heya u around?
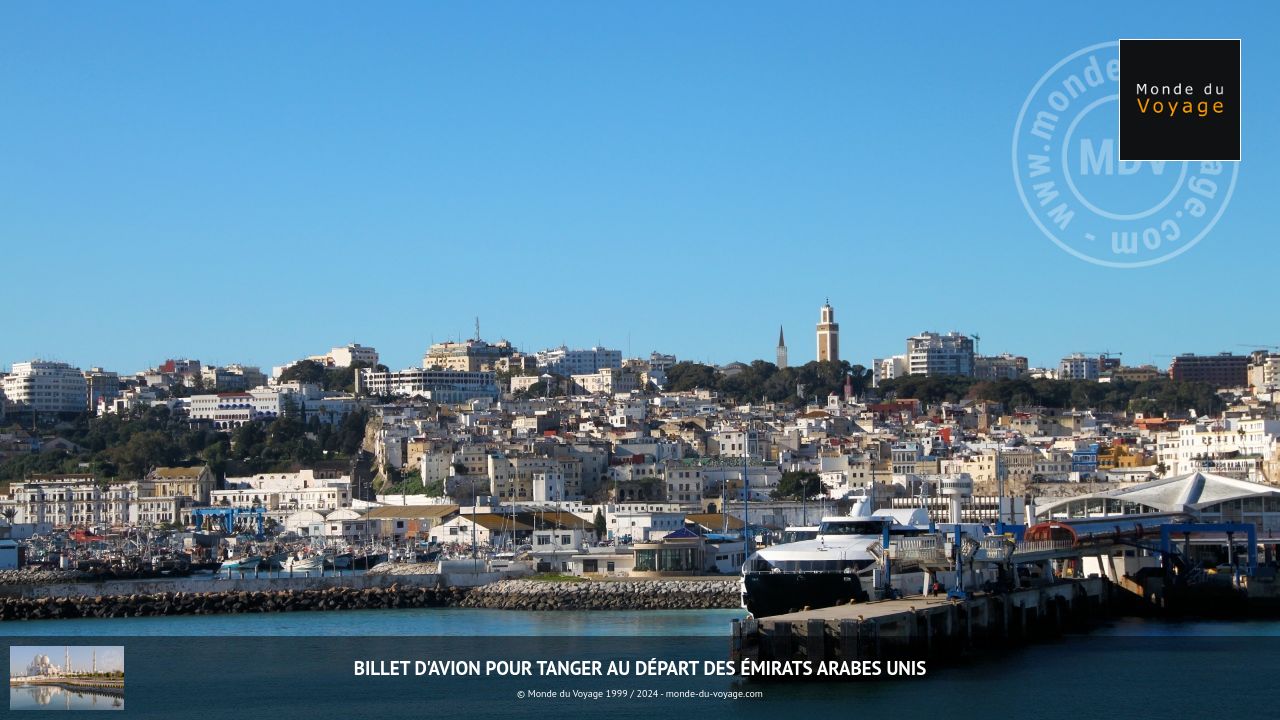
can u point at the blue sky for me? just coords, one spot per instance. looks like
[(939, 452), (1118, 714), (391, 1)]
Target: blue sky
[(110, 657), (246, 182)]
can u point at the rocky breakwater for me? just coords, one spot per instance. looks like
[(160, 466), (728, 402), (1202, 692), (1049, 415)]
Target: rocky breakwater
[(210, 603), (690, 594), (37, 576)]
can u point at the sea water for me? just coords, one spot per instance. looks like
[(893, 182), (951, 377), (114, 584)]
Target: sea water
[(300, 664)]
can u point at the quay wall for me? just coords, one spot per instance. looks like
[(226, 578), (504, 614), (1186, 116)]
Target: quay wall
[(920, 627)]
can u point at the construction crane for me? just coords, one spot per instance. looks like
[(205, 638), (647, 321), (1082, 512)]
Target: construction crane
[(977, 340), (1102, 354), (1259, 346)]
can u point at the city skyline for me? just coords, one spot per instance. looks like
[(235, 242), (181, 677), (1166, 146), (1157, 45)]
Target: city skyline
[(194, 177), (1161, 360)]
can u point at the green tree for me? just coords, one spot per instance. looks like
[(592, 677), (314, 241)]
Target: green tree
[(799, 485)]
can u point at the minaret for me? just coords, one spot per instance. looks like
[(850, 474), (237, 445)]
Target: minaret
[(95, 661), (828, 335), (782, 350)]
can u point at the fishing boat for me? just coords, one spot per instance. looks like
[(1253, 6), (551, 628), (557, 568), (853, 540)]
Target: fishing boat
[(366, 560), (248, 563), (276, 560), (171, 564), (340, 561), (302, 563)]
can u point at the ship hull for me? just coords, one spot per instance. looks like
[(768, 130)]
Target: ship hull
[(776, 593)]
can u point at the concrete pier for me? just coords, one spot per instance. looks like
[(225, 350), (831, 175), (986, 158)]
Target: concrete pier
[(921, 627)]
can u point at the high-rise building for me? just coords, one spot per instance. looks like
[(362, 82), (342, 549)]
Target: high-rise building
[(932, 354), (1221, 370), (564, 361), (828, 335), (348, 355), (1078, 366), (473, 355), (660, 362), (46, 386), (999, 367), (782, 350), (101, 385), (1264, 371)]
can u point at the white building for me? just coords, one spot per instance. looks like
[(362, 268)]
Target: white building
[(548, 486), (1227, 446), (684, 483), (1264, 372), (444, 386), (605, 381), (889, 368), (302, 490), (346, 525), (1077, 366), (638, 524), (564, 361), (81, 500), (932, 354), (230, 410), (45, 386), (348, 355)]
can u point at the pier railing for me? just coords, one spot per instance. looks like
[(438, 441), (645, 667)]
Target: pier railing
[(928, 550), (1039, 546)]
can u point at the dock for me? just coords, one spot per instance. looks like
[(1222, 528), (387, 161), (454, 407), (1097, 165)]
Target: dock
[(922, 626)]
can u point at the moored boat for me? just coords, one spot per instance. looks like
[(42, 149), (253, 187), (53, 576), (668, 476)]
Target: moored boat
[(828, 569), (302, 563), (248, 563)]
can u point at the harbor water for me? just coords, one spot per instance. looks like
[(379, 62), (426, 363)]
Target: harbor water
[(300, 665)]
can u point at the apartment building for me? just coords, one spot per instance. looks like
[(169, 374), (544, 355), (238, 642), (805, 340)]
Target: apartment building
[(930, 353), (46, 386), (564, 361), (444, 386), (1221, 370)]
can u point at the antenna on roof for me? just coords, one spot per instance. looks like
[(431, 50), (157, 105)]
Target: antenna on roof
[(477, 327)]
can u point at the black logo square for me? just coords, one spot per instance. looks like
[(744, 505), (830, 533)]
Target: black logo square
[(1179, 100)]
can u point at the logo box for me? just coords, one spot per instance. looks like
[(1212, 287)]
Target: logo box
[(1180, 100)]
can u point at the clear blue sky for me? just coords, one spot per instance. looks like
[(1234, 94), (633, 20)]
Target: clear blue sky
[(254, 182), (110, 657)]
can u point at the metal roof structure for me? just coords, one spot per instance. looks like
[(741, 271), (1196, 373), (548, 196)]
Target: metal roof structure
[(1186, 493)]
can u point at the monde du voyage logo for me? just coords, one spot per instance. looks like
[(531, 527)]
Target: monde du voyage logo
[(1114, 176)]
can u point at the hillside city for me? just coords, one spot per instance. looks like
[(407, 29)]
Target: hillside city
[(565, 450)]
